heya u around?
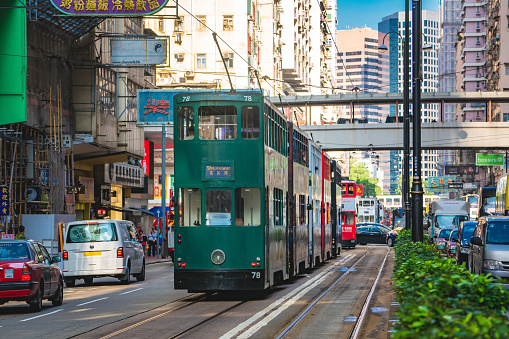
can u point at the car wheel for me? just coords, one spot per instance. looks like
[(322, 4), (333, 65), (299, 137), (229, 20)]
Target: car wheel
[(70, 282), (88, 280), (141, 276), (127, 277), (36, 303), (59, 298), (390, 242)]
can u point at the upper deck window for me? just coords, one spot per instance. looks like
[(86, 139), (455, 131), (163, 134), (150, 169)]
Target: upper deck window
[(185, 121), (250, 122), (217, 122)]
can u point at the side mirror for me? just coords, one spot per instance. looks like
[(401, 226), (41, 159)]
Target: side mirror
[(56, 259), (476, 241)]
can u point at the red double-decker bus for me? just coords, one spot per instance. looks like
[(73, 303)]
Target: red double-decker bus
[(348, 232)]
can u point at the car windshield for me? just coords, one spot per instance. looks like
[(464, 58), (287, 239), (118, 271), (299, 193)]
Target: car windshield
[(498, 232), (450, 220), (468, 231), (100, 232), (445, 233), (454, 234), (9, 251)]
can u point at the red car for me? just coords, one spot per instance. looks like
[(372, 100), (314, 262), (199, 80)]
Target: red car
[(28, 273)]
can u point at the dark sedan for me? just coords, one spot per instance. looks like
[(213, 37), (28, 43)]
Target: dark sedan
[(28, 273), (371, 234)]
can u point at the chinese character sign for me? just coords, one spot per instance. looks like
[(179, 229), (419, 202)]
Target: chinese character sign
[(4, 200), (218, 171), (440, 181), (359, 190), (154, 108), (109, 7)]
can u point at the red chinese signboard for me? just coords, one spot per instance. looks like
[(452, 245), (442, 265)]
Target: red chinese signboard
[(359, 190)]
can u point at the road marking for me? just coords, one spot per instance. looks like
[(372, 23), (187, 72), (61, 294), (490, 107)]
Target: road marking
[(93, 301), (287, 300), (131, 291), (91, 289), (42, 315)]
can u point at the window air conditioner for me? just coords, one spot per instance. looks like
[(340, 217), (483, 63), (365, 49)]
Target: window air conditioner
[(189, 74)]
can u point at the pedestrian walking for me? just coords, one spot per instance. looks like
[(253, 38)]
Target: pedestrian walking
[(152, 238)]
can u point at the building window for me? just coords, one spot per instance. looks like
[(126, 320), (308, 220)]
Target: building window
[(228, 59), (201, 22), (201, 60), (161, 25), (179, 60), (505, 117), (107, 90), (228, 22), (179, 24)]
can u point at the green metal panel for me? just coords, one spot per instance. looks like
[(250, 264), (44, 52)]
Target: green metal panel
[(241, 244), (13, 62)]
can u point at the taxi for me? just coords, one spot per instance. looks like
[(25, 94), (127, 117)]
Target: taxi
[(28, 273)]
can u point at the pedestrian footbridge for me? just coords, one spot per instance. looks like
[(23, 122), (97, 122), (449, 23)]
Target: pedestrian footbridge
[(389, 136)]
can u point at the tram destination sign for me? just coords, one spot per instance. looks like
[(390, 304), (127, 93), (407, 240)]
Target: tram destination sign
[(109, 7), (218, 171)]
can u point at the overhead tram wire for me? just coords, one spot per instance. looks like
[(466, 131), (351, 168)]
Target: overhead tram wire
[(218, 36)]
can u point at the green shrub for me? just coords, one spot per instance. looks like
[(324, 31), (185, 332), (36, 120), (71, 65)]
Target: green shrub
[(439, 299)]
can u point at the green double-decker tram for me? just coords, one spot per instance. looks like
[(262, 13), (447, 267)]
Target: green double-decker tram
[(231, 177)]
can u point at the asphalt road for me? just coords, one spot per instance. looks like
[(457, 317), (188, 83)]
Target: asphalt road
[(154, 309)]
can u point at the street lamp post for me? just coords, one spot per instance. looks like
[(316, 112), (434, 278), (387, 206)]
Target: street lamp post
[(417, 192), (406, 120)]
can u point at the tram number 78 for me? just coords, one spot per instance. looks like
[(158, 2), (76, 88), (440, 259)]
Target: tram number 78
[(256, 275)]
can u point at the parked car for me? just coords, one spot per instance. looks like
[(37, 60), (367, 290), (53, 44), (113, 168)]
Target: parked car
[(102, 248), (392, 235), (465, 232), (443, 237), (371, 234), (451, 244), (490, 247), (28, 273)]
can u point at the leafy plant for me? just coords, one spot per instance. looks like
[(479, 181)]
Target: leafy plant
[(439, 299)]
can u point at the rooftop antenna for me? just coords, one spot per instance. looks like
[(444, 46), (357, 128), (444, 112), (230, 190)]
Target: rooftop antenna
[(224, 62)]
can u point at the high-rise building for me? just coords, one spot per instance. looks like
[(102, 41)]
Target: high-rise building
[(360, 67), (471, 58), (394, 24), (450, 24)]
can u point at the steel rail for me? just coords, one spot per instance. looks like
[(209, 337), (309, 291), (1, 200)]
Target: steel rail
[(306, 311)]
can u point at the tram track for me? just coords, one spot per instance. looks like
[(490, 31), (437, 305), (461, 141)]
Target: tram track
[(358, 319)]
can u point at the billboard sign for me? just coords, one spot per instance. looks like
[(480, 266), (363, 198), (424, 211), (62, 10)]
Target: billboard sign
[(440, 182), (155, 107), (109, 7), (359, 190), (457, 185), (4, 200), (489, 159), (461, 170), (138, 52)]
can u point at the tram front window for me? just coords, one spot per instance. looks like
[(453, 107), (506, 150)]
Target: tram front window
[(250, 122), (218, 207), (190, 204), (247, 206), (217, 122), (185, 123)]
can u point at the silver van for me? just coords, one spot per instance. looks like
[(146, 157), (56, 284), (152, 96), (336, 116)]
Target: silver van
[(490, 247), (102, 248)]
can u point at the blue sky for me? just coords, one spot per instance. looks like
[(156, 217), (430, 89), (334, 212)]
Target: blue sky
[(360, 13)]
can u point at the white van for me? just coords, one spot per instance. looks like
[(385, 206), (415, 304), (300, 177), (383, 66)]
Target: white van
[(102, 248)]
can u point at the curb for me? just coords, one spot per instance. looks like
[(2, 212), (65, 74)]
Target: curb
[(159, 261)]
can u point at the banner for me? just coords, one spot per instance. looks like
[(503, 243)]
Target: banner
[(489, 159), (440, 182), (461, 170)]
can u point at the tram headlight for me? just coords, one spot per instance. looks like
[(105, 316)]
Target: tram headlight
[(217, 257)]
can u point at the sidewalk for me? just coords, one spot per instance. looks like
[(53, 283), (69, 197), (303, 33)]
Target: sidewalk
[(154, 260)]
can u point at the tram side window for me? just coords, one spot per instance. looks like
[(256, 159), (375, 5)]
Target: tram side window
[(190, 205), (217, 122), (350, 190), (218, 207), (302, 209), (278, 207), (349, 218), (317, 217), (250, 122), (185, 121), (247, 206)]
